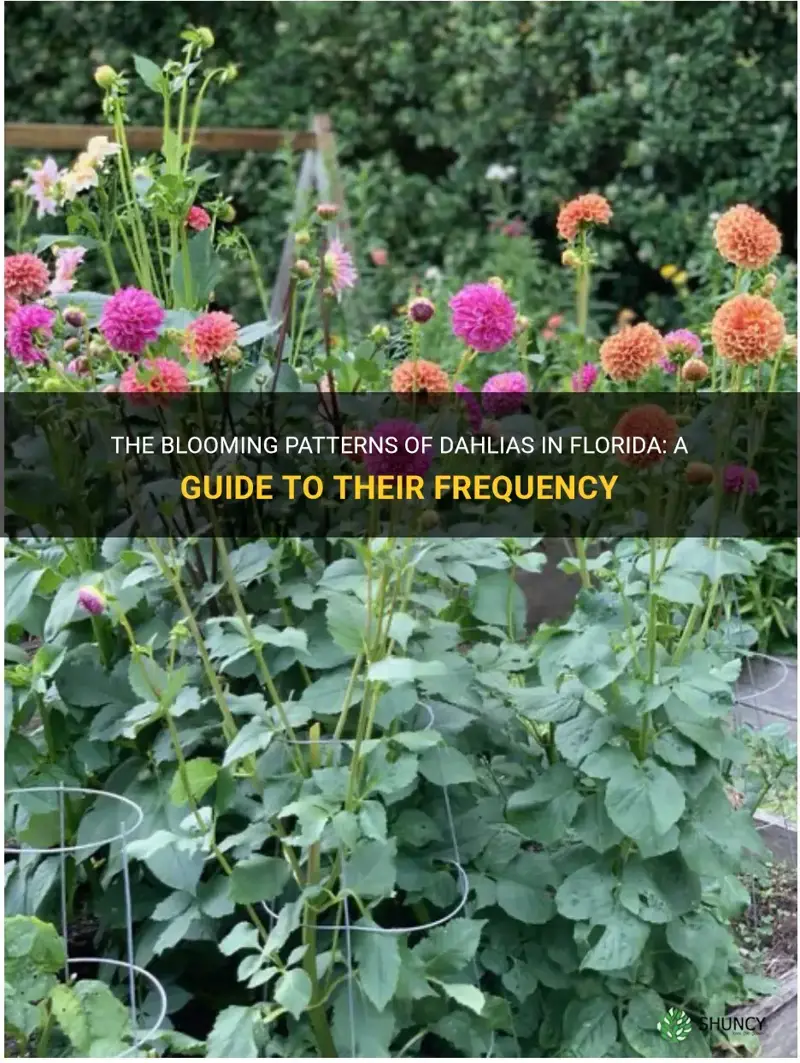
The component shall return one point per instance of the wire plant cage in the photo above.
(144, 995)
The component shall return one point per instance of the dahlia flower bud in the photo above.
(79, 366)
(90, 599)
(380, 334)
(302, 238)
(75, 317)
(227, 213)
(522, 324)
(205, 38)
(694, 371)
(17, 185)
(232, 356)
(302, 268)
(329, 292)
(769, 284)
(327, 211)
(429, 519)
(98, 349)
(496, 282)
(790, 347)
(699, 473)
(72, 345)
(105, 76)
(421, 310)
(570, 259)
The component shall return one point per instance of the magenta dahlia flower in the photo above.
(131, 319)
(484, 317)
(504, 393)
(683, 343)
(410, 460)
(585, 378)
(737, 480)
(474, 412)
(90, 599)
(28, 330)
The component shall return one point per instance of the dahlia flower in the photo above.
(25, 276)
(504, 393)
(667, 365)
(43, 187)
(473, 407)
(699, 473)
(131, 319)
(28, 329)
(738, 479)
(420, 310)
(67, 261)
(590, 209)
(11, 307)
(210, 336)
(694, 371)
(483, 317)
(339, 267)
(629, 353)
(585, 378)
(379, 256)
(419, 376)
(683, 343)
(649, 422)
(746, 238)
(198, 219)
(90, 599)
(747, 329)
(409, 460)
(153, 377)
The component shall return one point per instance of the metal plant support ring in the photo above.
(128, 810)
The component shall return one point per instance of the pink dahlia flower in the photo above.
(210, 336)
(484, 317)
(409, 459)
(90, 599)
(683, 343)
(67, 261)
(667, 365)
(28, 330)
(474, 412)
(26, 276)
(198, 219)
(131, 319)
(152, 378)
(737, 480)
(504, 393)
(339, 267)
(585, 378)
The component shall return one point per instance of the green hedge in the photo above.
(673, 110)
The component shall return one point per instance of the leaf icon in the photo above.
(675, 1026)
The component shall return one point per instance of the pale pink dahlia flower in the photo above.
(67, 261)
(131, 319)
(504, 393)
(339, 267)
(29, 328)
(683, 343)
(484, 317)
(43, 187)
(90, 599)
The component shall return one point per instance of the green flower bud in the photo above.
(105, 76)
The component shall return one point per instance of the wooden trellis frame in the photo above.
(318, 171)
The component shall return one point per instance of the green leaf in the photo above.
(468, 996)
(378, 959)
(698, 937)
(258, 330)
(243, 936)
(497, 599)
(254, 737)
(233, 1034)
(678, 589)
(528, 904)
(347, 621)
(620, 945)
(642, 896)
(587, 894)
(200, 775)
(20, 584)
(193, 287)
(590, 1028)
(372, 818)
(397, 670)
(593, 826)
(448, 949)
(259, 878)
(293, 991)
(584, 734)
(644, 801)
(640, 1027)
(446, 766)
(371, 869)
(96, 1023)
(150, 74)
(674, 749)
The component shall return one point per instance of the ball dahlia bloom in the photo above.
(339, 267)
(419, 376)
(694, 371)
(746, 238)
(681, 343)
(629, 353)
(504, 393)
(90, 599)
(649, 422)
(25, 276)
(131, 319)
(473, 407)
(210, 336)
(409, 459)
(484, 317)
(197, 219)
(737, 480)
(30, 328)
(747, 330)
(590, 209)
(154, 377)
(585, 378)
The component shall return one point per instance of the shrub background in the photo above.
(672, 110)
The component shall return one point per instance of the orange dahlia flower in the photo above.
(748, 330)
(629, 353)
(590, 209)
(746, 238)
(419, 376)
(648, 422)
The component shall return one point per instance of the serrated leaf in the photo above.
(259, 878)
(293, 991)
(378, 959)
(200, 775)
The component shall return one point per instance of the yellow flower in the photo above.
(668, 272)
(680, 278)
